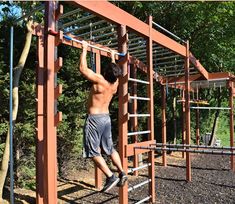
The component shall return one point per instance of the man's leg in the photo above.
(100, 162)
(116, 161)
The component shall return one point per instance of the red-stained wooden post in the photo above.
(98, 172)
(52, 65)
(151, 109)
(187, 112)
(123, 108)
(163, 96)
(231, 104)
(40, 128)
(183, 121)
(134, 120)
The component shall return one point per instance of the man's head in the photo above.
(112, 72)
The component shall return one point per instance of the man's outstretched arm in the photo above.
(86, 72)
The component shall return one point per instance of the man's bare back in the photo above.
(100, 96)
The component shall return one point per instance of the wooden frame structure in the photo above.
(49, 37)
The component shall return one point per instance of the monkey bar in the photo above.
(152, 52)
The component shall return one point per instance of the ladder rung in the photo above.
(139, 115)
(138, 168)
(138, 80)
(138, 133)
(143, 200)
(139, 98)
(139, 185)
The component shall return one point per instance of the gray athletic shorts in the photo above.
(97, 135)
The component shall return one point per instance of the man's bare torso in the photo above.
(100, 96)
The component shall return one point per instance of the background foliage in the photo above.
(210, 27)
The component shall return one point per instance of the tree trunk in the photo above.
(17, 72)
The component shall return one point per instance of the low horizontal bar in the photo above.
(210, 108)
(93, 46)
(192, 146)
(139, 98)
(139, 185)
(138, 133)
(172, 34)
(70, 13)
(138, 81)
(132, 170)
(143, 200)
(39, 8)
(138, 115)
(175, 149)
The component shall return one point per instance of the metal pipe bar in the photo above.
(87, 26)
(138, 115)
(136, 48)
(216, 152)
(171, 70)
(106, 40)
(210, 108)
(169, 57)
(105, 35)
(76, 21)
(172, 34)
(11, 117)
(139, 98)
(112, 44)
(98, 30)
(132, 170)
(170, 62)
(137, 43)
(192, 146)
(138, 133)
(143, 200)
(136, 38)
(93, 46)
(138, 81)
(181, 74)
(139, 185)
(41, 7)
(139, 51)
(70, 13)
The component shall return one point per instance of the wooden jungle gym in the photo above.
(140, 46)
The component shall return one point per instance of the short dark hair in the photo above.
(112, 72)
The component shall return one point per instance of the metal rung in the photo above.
(77, 21)
(138, 133)
(140, 98)
(88, 26)
(70, 13)
(98, 30)
(132, 170)
(143, 200)
(210, 108)
(139, 115)
(139, 185)
(138, 80)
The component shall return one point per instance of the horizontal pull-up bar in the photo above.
(210, 108)
(164, 29)
(93, 46)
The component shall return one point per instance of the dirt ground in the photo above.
(212, 182)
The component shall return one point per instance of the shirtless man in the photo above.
(97, 128)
